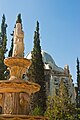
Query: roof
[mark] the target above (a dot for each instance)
(48, 61)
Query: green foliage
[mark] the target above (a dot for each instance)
(37, 111)
(52, 109)
(3, 50)
(19, 20)
(36, 72)
(78, 113)
(11, 48)
(78, 85)
(60, 107)
(77, 67)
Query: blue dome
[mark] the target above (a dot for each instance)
(47, 59)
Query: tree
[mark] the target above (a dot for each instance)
(3, 49)
(65, 101)
(78, 73)
(78, 85)
(11, 48)
(19, 20)
(36, 73)
(53, 108)
(60, 107)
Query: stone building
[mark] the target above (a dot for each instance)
(54, 74)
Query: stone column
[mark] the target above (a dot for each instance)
(11, 103)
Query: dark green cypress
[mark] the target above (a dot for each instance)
(78, 85)
(19, 20)
(3, 50)
(3, 34)
(11, 48)
(77, 71)
(36, 73)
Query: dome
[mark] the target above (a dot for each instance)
(47, 58)
(48, 61)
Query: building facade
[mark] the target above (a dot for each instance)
(54, 74)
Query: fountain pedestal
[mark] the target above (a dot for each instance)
(15, 91)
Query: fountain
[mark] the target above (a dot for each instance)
(15, 92)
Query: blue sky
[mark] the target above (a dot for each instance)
(59, 27)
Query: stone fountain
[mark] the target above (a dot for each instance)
(15, 92)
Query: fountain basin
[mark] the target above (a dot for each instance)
(18, 86)
(17, 66)
(17, 61)
(15, 96)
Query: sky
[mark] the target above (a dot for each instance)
(59, 27)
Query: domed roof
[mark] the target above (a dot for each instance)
(48, 61)
(47, 58)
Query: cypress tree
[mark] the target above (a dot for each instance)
(3, 34)
(64, 93)
(19, 20)
(3, 50)
(77, 81)
(78, 85)
(67, 108)
(11, 48)
(36, 73)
